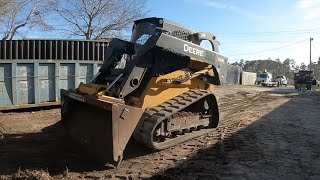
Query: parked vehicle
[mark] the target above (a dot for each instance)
(282, 80)
(264, 77)
(271, 83)
(303, 75)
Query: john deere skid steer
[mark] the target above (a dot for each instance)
(157, 88)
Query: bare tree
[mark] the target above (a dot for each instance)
(95, 19)
(19, 16)
(4, 7)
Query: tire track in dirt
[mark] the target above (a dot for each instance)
(224, 139)
(194, 157)
(221, 140)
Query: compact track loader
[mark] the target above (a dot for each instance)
(157, 88)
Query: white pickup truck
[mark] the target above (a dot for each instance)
(282, 80)
(265, 79)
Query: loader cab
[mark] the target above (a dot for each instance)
(143, 29)
(163, 37)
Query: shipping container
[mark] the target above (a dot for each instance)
(248, 78)
(42, 49)
(28, 84)
(32, 72)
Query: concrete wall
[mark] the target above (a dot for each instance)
(248, 78)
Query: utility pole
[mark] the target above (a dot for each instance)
(310, 53)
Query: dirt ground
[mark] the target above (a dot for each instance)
(264, 133)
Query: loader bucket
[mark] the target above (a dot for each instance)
(102, 128)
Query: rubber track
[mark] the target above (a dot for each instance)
(157, 114)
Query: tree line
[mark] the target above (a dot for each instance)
(88, 19)
(286, 67)
(98, 19)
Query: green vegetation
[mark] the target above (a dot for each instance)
(277, 67)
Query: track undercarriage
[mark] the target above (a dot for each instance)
(186, 116)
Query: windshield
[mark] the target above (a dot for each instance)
(263, 75)
(142, 32)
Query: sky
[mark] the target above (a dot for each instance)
(249, 29)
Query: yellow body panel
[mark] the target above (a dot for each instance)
(158, 92)
(91, 89)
